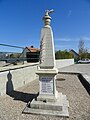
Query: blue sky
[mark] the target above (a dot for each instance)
(21, 23)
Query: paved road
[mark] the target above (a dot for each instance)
(77, 68)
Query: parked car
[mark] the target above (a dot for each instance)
(86, 60)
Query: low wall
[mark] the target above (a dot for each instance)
(11, 78)
(16, 76)
(64, 62)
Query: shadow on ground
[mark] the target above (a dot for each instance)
(21, 96)
(17, 95)
(84, 83)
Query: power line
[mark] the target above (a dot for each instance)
(12, 46)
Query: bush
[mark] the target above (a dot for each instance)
(63, 54)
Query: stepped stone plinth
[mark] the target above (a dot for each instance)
(49, 101)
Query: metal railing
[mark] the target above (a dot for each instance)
(11, 59)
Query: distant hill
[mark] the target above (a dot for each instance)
(6, 54)
(3, 54)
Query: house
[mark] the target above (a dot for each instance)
(75, 54)
(30, 54)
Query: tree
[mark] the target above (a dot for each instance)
(15, 55)
(63, 54)
(83, 52)
(81, 46)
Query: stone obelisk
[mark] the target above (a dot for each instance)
(49, 101)
(47, 70)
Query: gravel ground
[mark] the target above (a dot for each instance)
(11, 105)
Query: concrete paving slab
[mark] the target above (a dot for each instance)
(83, 69)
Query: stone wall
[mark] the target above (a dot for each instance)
(16, 76)
(13, 77)
(64, 62)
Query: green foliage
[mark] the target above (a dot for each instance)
(63, 54)
(15, 55)
(83, 52)
(85, 55)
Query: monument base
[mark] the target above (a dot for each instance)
(56, 108)
(48, 97)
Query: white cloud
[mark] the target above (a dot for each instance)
(67, 39)
(70, 43)
(86, 38)
(61, 47)
(72, 39)
(63, 39)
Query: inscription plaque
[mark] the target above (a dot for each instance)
(46, 85)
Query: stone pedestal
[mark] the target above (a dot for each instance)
(47, 89)
(49, 101)
(54, 108)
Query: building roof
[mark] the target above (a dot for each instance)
(74, 52)
(32, 49)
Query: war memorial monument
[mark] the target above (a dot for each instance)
(49, 101)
